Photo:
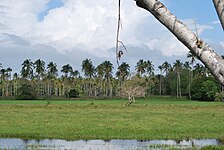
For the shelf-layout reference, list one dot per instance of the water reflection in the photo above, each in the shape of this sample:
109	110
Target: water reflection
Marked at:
102	145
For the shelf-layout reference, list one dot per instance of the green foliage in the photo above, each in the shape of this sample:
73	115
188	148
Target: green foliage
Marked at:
219	96
209	89
73	93
204	89
156	118
27	92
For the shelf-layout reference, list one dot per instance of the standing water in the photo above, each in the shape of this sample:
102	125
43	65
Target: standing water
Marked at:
102	145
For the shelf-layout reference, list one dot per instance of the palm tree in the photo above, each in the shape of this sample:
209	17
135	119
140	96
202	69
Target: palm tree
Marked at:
199	70
66	69
166	67
75	74
27	69
3	78
52	73
15	84
177	68
123	71
39	66
100	77
141	67
192	62
89	70
188	67
149	67
108	67
8	81
160	80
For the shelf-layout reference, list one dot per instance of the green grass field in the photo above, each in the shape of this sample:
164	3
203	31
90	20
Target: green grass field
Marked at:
152	118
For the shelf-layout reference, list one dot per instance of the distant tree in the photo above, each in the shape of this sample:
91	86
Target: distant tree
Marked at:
27	69
8	81
188	67
177	68
209	88
15	83
204	88
123	71
149	67
160	79
166	67
88	68
132	88
73	93
107	68
52	73
141	67
39	66
3	80
89	71
66	69
27	92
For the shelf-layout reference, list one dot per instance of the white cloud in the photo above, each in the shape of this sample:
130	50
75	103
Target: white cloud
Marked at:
85	26
19	17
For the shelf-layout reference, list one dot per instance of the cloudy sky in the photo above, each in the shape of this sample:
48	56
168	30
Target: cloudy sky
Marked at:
69	31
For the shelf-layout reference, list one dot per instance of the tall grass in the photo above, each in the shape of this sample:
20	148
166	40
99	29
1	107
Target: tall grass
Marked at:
109	119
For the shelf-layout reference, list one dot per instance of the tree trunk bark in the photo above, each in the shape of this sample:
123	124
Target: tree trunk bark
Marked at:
199	48
219	6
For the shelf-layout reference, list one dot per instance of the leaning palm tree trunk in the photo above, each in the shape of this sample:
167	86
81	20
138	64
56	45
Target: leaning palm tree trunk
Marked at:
219	6
202	50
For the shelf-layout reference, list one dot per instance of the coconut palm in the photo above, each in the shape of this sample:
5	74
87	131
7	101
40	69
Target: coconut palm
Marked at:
39	66
123	71
88	68
3	79
140	67
188	67
15	83
52	73
149	67
166	67
177	68
8	81
27	69
108	67
160	79
66	69
199	70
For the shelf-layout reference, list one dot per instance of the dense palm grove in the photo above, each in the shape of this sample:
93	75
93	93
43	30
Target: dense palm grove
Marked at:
38	80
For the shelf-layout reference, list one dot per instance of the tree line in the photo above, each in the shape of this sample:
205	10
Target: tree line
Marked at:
40	80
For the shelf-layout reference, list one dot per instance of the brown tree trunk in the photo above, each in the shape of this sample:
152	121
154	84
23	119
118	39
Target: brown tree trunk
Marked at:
219	6
199	48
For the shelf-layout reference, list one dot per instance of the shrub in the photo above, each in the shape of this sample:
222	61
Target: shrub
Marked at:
204	89
26	92
219	96
73	93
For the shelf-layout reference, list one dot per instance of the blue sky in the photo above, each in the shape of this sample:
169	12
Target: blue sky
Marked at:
52	4
68	31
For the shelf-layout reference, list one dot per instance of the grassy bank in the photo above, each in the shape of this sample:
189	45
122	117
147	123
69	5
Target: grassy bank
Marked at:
109	119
